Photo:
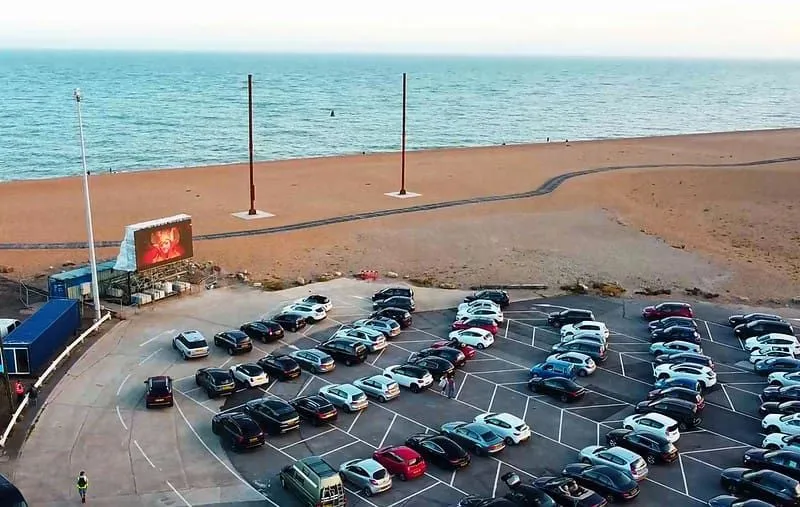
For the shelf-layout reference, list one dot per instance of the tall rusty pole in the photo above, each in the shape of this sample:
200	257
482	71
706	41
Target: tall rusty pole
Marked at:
252	210
403	144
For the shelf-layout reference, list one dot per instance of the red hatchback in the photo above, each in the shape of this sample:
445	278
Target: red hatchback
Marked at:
486	324
468	351
669	309
401	461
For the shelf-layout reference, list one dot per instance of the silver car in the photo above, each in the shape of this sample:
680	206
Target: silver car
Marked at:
345	396
378	386
389	327
623	460
370	338
367	475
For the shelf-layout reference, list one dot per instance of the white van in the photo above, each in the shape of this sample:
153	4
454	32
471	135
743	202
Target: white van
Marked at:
8	325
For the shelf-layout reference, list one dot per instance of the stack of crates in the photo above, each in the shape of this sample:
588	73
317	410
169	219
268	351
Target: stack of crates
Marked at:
141	298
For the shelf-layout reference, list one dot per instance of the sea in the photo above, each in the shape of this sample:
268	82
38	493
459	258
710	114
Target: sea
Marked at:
145	110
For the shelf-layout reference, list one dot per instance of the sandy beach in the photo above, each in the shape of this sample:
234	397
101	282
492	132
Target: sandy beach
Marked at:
720	227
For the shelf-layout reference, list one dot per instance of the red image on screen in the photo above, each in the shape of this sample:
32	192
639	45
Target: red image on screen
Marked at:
162	245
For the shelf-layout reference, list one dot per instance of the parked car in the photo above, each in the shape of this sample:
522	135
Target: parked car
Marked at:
737	320
772	365
510	427
618	458
311	312
486	313
761	327
437	366
704	375
372	339
565	491
315	409
610	482
313	360
388	292
679	393
401	461
237	429
592	349
584	365
249	374
233	342
735	501
468	351
586	327
526	495
771	339
785	461
158	392
290	321
554	369
402	317
668	309
403	302
485	501
474	337
667	382
264	331
274	415
215	381
767	485
348	351
440	450
777	423
389	327
782	378
775	441
781	394
476	322
673	347
479	303
774	407
412	377
345	396
562	388
314	482
657	424
474	436
367	475
279	366
317	299
686	334
684	412
496	296
191	344
589	337
455	356
653	447
771	351
672	321
569	316
685	357
378	386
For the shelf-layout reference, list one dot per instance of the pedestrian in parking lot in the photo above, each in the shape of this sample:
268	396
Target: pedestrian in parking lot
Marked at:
443	384
33	395
19	390
451	386
82	484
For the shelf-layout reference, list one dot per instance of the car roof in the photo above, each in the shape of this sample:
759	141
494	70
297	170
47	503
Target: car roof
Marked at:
682	328
622	453
348	388
589	322
193	335
504	416
402	451
667	421
676	303
674	401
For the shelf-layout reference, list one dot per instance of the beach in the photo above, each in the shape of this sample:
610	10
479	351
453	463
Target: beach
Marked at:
695	216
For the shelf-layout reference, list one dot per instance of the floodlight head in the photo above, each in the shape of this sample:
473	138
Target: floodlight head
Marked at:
77	94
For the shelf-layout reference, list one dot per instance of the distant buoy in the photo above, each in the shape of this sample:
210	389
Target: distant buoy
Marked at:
332	115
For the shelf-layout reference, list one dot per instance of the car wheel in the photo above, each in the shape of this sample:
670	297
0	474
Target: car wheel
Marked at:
415	388
586	460
702	386
403	477
610	498
612	442
663	376
563	398
583	373
628	427
367	492
310	320
657	353
214	429
773	429
147	405
682	426
480	346
651	460
775	383
209	392
382	399
216	342
185	356
731	489
348	362
509	441
230	351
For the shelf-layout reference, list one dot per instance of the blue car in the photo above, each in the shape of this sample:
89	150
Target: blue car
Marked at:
776	364
554	368
677	382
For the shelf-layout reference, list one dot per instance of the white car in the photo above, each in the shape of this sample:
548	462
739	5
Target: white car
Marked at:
655	424
311	312
704	375
770	351
479	303
485	313
380	387
587	326
474	337
775	441
250	374
412	377
345	396
510	427
317	299
370	338
784	378
584	364
590	337
786	340
191	344
674	347
778	423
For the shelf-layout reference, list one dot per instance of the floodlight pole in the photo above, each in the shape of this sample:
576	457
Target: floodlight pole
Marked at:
252	210
403	144
89	229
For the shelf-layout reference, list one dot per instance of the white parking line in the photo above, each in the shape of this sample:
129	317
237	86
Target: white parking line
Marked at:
491	401
453	478
149	356
704	463
415	494
191	390
701	451
597	441
742	390
599	406
119	389
156	337
304	386
683	475
338	448
355	419
496	478
378	356
119	414
525	412
312	437
727	397
461	386
702	502
177	493
621	364
394	418
560	425
143	453
533	337
508	322
710	336
226	362
508	370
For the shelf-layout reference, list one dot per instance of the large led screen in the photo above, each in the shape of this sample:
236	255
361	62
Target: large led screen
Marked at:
163	244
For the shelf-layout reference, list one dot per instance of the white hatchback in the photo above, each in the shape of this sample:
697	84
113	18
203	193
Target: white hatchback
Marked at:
704	375
479	303
775	441
786	340
587	326
510	427
311	312
778	423
474	337
655	424
483	313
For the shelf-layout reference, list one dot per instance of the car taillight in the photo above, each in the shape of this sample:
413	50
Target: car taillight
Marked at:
373	481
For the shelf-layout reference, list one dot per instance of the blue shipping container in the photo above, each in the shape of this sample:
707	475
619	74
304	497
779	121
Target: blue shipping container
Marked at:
30	347
59	285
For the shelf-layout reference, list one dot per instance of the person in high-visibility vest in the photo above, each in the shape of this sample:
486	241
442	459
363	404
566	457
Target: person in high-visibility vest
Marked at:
82	484
19	389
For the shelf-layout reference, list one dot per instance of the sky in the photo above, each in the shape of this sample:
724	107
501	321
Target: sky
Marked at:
673	28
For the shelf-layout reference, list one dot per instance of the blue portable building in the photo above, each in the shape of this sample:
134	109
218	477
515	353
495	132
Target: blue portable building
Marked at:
29	347
74	284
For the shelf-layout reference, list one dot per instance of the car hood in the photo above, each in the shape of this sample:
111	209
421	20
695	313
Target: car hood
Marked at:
772	390
757	454
722	501
770	405
734	474
649	309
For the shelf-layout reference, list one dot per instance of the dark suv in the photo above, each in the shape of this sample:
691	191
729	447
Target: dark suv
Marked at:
216	381
279	366
290	321
684	412
275	416
596	351
402	317
158	392
233	341
350	352
686	334
494	295
263	331
762	327
239	430
403	302
569	316
388	292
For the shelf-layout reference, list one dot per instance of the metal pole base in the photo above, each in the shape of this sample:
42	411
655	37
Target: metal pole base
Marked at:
252	211
402	191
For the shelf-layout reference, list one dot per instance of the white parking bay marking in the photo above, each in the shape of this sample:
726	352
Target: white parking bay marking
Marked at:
415	494
226	362
186	502
339	448
119	389
143	453
496	478
560	425
149	357
710	336
119	414
394	418
355	419
727	397
491	401
312	437
703	462
453	478
683	474
533	337
378	356
159	335
508	322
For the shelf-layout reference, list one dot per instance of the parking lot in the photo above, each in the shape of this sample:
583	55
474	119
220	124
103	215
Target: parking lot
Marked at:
496	380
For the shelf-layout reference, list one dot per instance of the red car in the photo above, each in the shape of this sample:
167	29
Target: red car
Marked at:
669	309
479	322
468	351
401	461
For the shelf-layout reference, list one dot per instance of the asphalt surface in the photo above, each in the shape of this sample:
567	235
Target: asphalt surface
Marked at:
495	381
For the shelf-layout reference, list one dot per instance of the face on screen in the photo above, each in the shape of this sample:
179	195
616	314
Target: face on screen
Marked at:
169	243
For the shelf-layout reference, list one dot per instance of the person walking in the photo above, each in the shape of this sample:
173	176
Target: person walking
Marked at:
19	390
451	385
82	484
33	395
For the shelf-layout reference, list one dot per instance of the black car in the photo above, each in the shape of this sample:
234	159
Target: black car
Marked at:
395	302
609	482
279	366
233	342
684	357
483	501
567	492
775	407
275	416
450	354
402	317
439	367
773	364
738	320
263	330
784	461
672	333
10	495
780	394
216	381
316	299
290	321
497	296
158	392
315	409
440	450
237	429
684	412
562	388
526	495
767	485
732	501
569	316
672	321
388	292
762	327
680	393
348	351
653	448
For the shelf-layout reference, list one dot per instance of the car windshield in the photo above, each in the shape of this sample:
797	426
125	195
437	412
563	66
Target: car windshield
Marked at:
159	386
379	474
251	369
672	428
249	427
196	344
283	409
220	376
359	397
488	436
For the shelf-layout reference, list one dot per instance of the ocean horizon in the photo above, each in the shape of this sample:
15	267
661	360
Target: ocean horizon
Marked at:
147	110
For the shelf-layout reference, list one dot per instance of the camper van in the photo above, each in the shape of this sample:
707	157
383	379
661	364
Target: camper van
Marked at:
8	325
314	482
